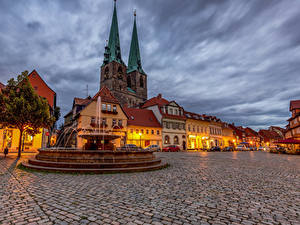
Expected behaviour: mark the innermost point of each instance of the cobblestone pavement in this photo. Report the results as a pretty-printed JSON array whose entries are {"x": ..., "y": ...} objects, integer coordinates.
[{"x": 198, "y": 188}]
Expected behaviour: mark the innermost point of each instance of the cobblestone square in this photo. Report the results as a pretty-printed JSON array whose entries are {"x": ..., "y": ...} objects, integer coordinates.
[{"x": 198, "y": 188}]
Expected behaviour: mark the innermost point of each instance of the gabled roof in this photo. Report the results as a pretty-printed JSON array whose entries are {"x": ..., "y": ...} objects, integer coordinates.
[
  {"x": 250, "y": 132},
  {"x": 158, "y": 100},
  {"x": 106, "y": 96},
  {"x": 43, "y": 89},
  {"x": 82, "y": 101},
  {"x": 141, "y": 117},
  {"x": 294, "y": 104},
  {"x": 268, "y": 135}
]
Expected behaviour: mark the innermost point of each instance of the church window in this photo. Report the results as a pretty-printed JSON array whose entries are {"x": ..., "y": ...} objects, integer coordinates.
[
  {"x": 128, "y": 81},
  {"x": 141, "y": 81},
  {"x": 106, "y": 71}
]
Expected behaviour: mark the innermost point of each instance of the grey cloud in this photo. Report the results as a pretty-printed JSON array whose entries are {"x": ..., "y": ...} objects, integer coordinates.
[{"x": 238, "y": 60}]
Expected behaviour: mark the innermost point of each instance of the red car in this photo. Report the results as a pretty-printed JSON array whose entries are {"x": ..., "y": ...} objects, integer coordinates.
[{"x": 171, "y": 148}]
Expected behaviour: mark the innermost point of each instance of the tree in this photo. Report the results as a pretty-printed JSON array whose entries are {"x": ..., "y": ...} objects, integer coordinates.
[{"x": 23, "y": 109}]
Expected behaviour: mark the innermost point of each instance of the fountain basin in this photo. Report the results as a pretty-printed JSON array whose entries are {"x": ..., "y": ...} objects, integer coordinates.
[{"x": 95, "y": 161}]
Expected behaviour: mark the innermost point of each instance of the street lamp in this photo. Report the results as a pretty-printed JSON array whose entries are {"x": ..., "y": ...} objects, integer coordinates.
[{"x": 140, "y": 140}]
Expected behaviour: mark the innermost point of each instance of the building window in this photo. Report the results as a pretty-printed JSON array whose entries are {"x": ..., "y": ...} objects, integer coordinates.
[
  {"x": 142, "y": 131},
  {"x": 176, "y": 141},
  {"x": 93, "y": 120},
  {"x": 176, "y": 112},
  {"x": 104, "y": 121},
  {"x": 152, "y": 131},
  {"x": 193, "y": 128},
  {"x": 157, "y": 132},
  {"x": 198, "y": 129},
  {"x": 141, "y": 81},
  {"x": 189, "y": 127},
  {"x": 103, "y": 106},
  {"x": 147, "y": 131},
  {"x": 120, "y": 123},
  {"x": 114, "y": 122},
  {"x": 109, "y": 108},
  {"x": 114, "y": 108},
  {"x": 167, "y": 139},
  {"x": 171, "y": 111},
  {"x": 137, "y": 131},
  {"x": 168, "y": 125},
  {"x": 131, "y": 130}
]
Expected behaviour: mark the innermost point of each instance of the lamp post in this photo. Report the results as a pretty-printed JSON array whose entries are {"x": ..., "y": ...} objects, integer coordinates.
[{"x": 140, "y": 140}]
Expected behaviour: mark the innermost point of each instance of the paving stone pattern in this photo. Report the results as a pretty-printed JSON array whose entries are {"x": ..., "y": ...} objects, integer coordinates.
[{"x": 198, "y": 188}]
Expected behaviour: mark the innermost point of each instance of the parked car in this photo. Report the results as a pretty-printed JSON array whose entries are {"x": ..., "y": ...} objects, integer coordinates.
[
  {"x": 130, "y": 147},
  {"x": 241, "y": 148},
  {"x": 228, "y": 149},
  {"x": 215, "y": 149},
  {"x": 171, "y": 148},
  {"x": 153, "y": 148}
]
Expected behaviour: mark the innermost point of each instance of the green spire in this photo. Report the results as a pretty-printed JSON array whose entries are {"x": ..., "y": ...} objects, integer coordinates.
[
  {"x": 113, "y": 50},
  {"x": 134, "y": 61}
]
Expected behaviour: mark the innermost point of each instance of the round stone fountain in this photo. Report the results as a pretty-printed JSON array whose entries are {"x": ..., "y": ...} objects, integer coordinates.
[{"x": 94, "y": 161}]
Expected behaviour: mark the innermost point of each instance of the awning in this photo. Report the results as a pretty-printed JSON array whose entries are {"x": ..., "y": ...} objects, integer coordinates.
[{"x": 288, "y": 141}]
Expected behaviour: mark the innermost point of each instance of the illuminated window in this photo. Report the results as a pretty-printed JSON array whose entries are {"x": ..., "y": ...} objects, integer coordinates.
[
  {"x": 167, "y": 139},
  {"x": 176, "y": 141}
]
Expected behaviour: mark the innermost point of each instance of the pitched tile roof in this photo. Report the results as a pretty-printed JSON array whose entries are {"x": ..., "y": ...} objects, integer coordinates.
[
  {"x": 158, "y": 100},
  {"x": 268, "y": 135},
  {"x": 294, "y": 104},
  {"x": 106, "y": 96},
  {"x": 141, "y": 117},
  {"x": 82, "y": 101}
]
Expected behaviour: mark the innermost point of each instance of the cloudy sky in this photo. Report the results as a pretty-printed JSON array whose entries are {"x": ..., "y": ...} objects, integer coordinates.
[{"x": 238, "y": 60}]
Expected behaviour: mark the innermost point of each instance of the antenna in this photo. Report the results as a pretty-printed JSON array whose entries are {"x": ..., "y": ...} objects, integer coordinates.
[{"x": 87, "y": 90}]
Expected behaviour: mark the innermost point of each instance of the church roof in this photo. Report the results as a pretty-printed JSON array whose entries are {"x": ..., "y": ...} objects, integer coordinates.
[
  {"x": 134, "y": 60},
  {"x": 106, "y": 96},
  {"x": 113, "y": 49}
]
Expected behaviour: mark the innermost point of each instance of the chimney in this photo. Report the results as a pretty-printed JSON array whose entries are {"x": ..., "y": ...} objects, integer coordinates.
[{"x": 159, "y": 95}]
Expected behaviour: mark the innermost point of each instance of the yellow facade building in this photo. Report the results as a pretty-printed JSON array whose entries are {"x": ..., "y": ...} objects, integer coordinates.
[{"x": 143, "y": 128}]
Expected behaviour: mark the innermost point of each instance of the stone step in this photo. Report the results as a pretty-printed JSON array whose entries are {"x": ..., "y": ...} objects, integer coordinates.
[
  {"x": 91, "y": 160},
  {"x": 79, "y": 165},
  {"x": 98, "y": 171}
]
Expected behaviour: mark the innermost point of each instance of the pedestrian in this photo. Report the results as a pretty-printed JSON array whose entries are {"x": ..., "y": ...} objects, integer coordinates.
[{"x": 5, "y": 151}]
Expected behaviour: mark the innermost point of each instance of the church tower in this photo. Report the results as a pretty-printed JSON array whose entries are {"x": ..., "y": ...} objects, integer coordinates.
[
  {"x": 127, "y": 84},
  {"x": 113, "y": 69},
  {"x": 136, "y": 77}
]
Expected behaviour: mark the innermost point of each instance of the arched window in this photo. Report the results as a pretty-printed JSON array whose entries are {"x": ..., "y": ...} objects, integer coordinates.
[
  {"x": 120, "y": 73},
  {"x": 106, "y": 72},
  {"x": 141, "y": 81},
  {"x": 176, "y": 140},
  {"x": 128, "y": 81},
  {"x": 167, "y": 139}
]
